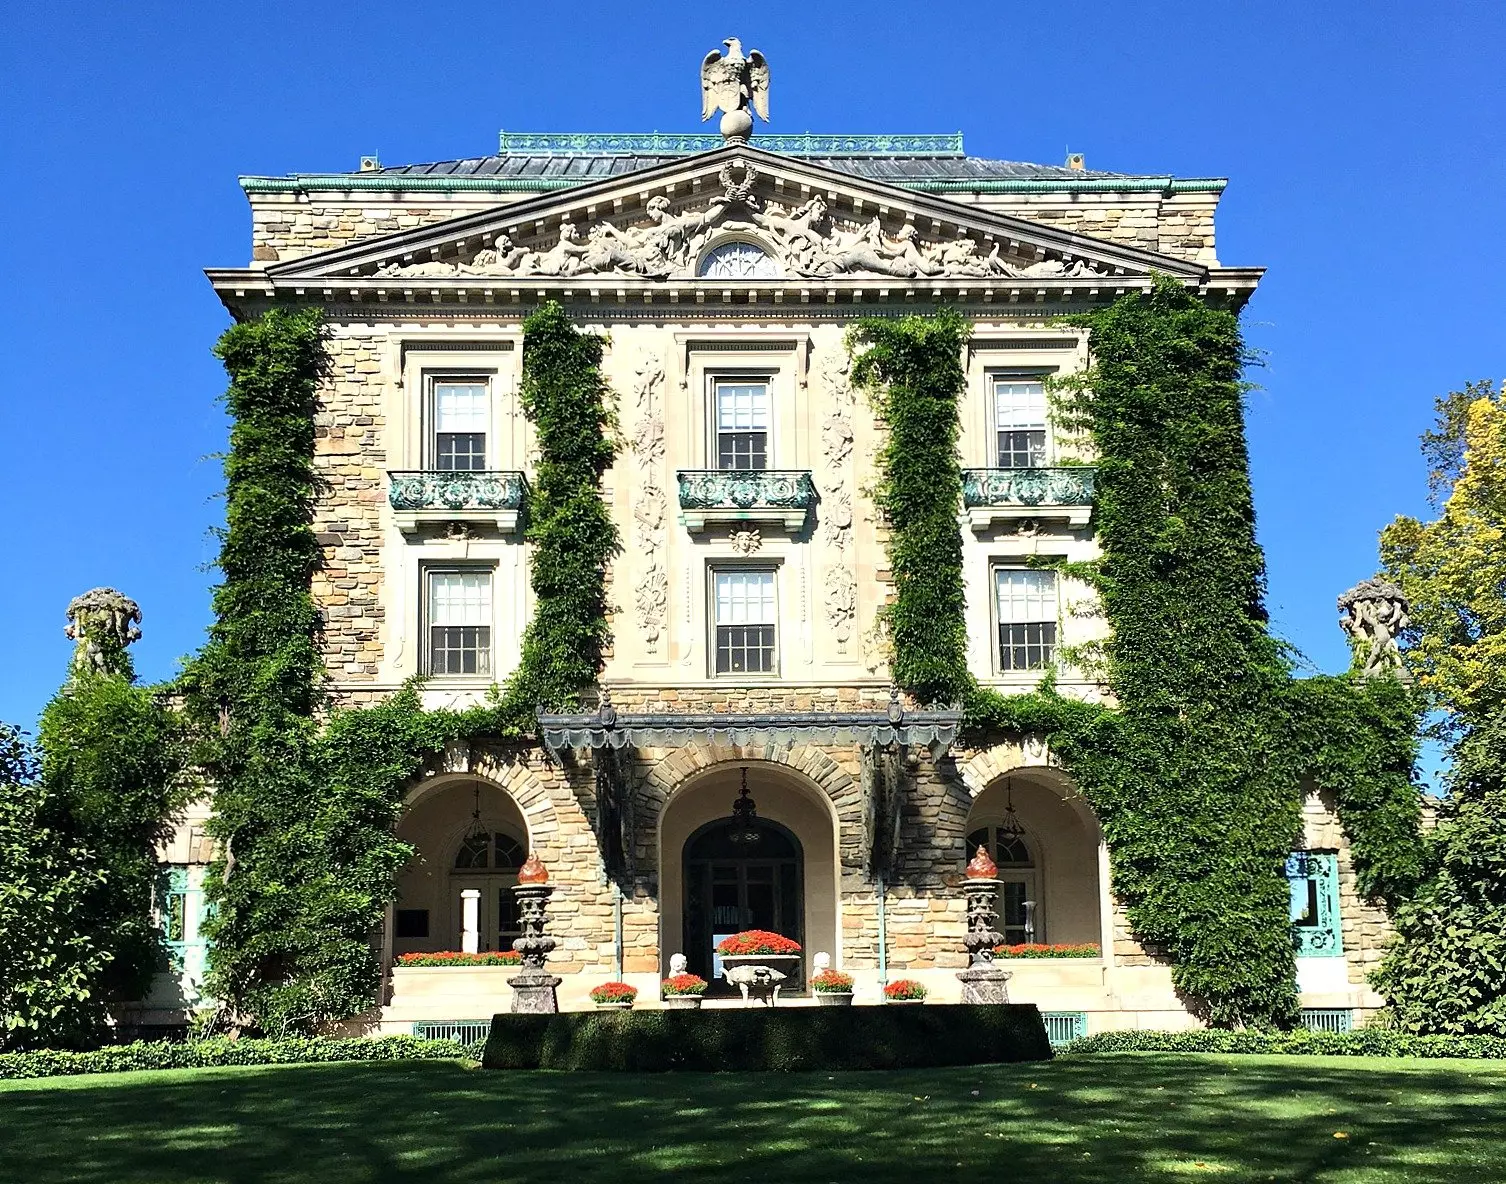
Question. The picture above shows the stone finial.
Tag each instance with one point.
(102, 622)
(734, 83)
(1374, 613)
(982, 866)
(533, 871)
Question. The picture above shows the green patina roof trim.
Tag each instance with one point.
(675, 143)
(420, 183)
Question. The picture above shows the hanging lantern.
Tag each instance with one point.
(745, 828)
(1010, 826)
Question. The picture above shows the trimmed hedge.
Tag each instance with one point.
(764, 1039)
(1365, 1042)
(205, 1054)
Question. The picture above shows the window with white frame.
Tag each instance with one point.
(745, 611)
(1019, 421)
(741, 411)
(1026, 607)
(458, 625)
(460, 414)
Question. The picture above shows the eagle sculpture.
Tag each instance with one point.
(732, 83)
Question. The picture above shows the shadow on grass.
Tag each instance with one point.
(1092, 1119)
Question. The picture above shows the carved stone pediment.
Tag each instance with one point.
(729, 216)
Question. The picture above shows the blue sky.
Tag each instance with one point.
(1363, 144)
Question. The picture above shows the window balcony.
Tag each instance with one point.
(492, 497)
(772, 497)
(995, 495)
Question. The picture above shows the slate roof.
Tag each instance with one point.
(896, 170)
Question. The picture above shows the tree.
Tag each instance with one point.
(48, 968)
(1447, 973)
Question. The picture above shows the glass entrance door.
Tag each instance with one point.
(730, 887)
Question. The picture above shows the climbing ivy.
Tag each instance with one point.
(306, 799)
(1196, 777)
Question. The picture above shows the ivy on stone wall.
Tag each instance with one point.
(306, 801)
(1196, 777)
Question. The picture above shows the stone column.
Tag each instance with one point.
(470, 929)
(982, 981)
(534, 991)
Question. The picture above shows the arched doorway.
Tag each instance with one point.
(739, 876)
(1045, 842)
(468, 834)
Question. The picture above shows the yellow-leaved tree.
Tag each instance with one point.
(1447, 972)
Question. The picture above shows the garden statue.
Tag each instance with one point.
(982, 981)
(534, 990)
(1374, 614)
(733, 83)
(102, 622)
(678, 964)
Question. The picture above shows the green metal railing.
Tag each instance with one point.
(1327, 1019)
(1063, 1027)
(1070, 486)
(745, 489)
(460, 1031)
(434, 489)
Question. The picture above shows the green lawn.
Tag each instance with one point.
(1102, 1118)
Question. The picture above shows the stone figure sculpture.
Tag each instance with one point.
(102, 622)
(1374, 613)
(731, 84)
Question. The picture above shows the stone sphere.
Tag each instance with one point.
(737, 125)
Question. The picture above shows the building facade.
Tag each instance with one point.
(745, 662)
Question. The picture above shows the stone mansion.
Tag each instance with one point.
(745, 662)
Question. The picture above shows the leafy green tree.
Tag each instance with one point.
(49, 967)
(1448, 971)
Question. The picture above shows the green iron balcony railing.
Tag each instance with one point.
(775, 496)
(433, 495)
(992, 494)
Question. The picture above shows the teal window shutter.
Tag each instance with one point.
(1313, 877)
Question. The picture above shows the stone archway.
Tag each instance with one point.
(804, 830)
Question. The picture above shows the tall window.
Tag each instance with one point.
(742, 425)
(460, 419)
(459, 627)
(1020, 419)
(1027, 610)
(745, 622)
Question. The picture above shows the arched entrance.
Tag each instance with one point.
(786, 880)
(1045, 842)
(741, 876)
(469, 834)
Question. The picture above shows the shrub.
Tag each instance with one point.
(832, 981)
(757, 941)
(904, 988)
(456, 958)
(1035, 950)
(684, 984)
(1364, 1042)
(764, 1039)
(614, 993)
(203, 1054)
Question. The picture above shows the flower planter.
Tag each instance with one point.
(787, 964)
(902, 1002)
(833, 998)
(615, 1005)
(682, 1002)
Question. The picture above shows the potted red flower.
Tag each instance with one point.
(1088, 949)
(456, 958)
(904, 990)
(832, 988)
(683, 990)
(759, 948)
(614, 996)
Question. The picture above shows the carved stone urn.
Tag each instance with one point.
(982, 981)
(534, 990)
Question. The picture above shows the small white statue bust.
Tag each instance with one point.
(677, 964)
(821, 962)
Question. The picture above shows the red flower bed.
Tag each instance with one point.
(757, 941)
(1035, 950)
(905, 988)
(613, 993)
(684, 984)
(832, 981)
(456, 958)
